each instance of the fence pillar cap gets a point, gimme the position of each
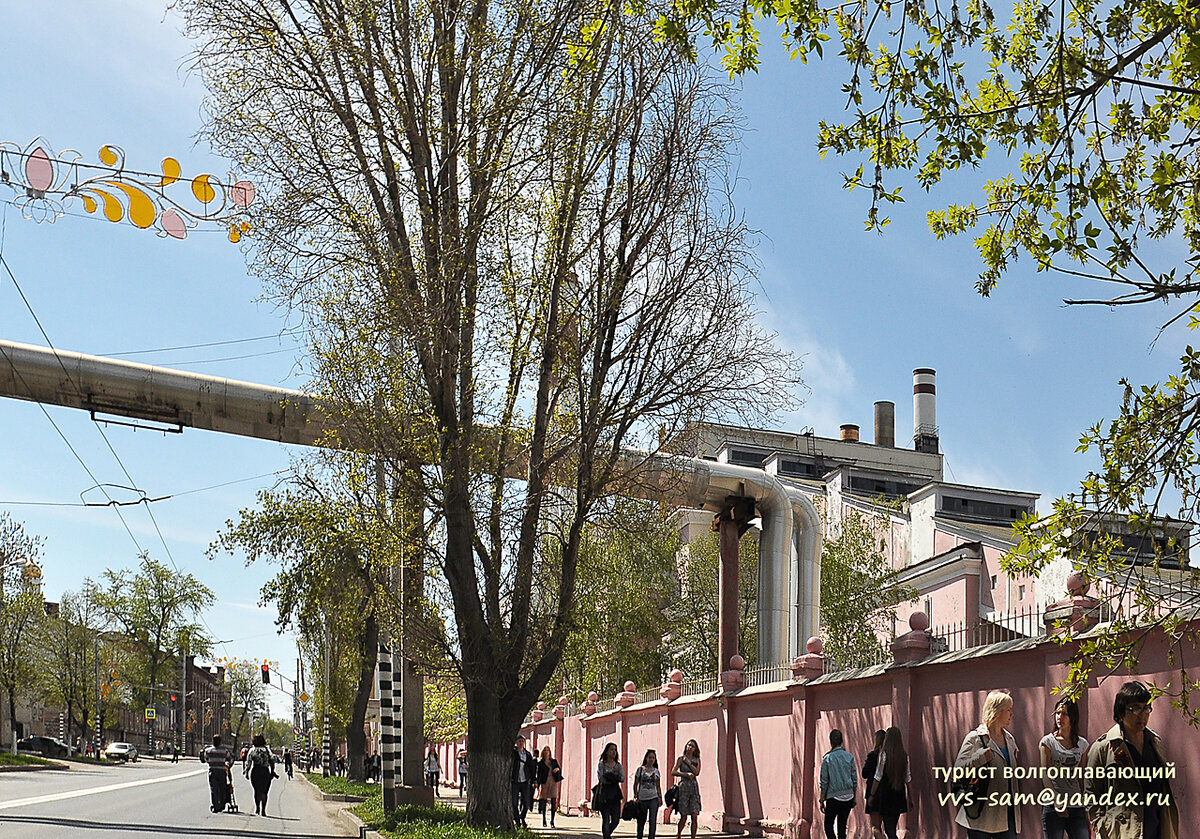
(913, 645)
(626, 697)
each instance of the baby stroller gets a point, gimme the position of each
(231, 805)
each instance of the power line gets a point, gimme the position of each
(291, 332)
(144, 499)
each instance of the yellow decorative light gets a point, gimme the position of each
(45, 181)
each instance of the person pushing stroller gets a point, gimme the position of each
(220, 781)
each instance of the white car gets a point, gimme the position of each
(121, 751)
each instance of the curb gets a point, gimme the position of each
(358, 824)
(35, 767)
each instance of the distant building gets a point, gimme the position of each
(946, 538)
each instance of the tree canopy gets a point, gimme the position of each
(520, 260)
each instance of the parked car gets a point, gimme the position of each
(121, 751)
(46, 746)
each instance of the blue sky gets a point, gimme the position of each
(1019, 375)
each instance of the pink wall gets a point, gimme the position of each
(762, 746)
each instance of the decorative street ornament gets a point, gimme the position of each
(44, 182)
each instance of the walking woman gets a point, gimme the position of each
(1065, 751)
(647, 792)
(610, 776)
(992, 747)
(260, 769)
(892, 777)
(687, 769)
(870, 764)
(432, 770)
(548, 779)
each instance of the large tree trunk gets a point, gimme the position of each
(356, 737)
(489, 759)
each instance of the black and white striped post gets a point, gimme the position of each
(327, 742)
(387, 737)
(96, 643)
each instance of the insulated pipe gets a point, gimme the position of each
(693, 482)
(806, 564)
(789, 575)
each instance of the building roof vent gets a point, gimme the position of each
(850, 432)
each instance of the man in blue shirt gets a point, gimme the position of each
(839, 780)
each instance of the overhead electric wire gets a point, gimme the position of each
(113, 503)
(17, 285)
(144, 499)
(293, 331)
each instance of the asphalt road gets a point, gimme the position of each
(153, 800)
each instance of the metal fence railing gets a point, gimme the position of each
(766, 674)
(694, 686)
(647, 695)
(991, 629)
(867, 658)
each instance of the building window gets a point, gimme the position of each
(929, 610)
(993, 582)
(1021, 593)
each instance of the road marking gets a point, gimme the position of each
(79, 793)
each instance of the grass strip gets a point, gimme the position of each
(10, 759)
(337, 785)
(410, 822)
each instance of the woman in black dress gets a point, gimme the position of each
(892, 778)
(870, 764)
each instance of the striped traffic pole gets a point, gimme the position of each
(387, 753)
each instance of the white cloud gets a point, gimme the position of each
(829, 379)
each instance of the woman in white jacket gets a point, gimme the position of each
(992, 747)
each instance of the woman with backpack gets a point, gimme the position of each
(260, 769)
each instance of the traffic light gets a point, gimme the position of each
(266, 674)
(174, 698)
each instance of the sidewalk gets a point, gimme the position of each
(584, 827)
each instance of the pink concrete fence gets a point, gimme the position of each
(762, 746)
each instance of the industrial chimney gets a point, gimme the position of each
(925, 431)
(885, 424)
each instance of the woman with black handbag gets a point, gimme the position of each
(607, 795)
(548, 779)
(687, 770)
(986, 752)
(892, 776)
